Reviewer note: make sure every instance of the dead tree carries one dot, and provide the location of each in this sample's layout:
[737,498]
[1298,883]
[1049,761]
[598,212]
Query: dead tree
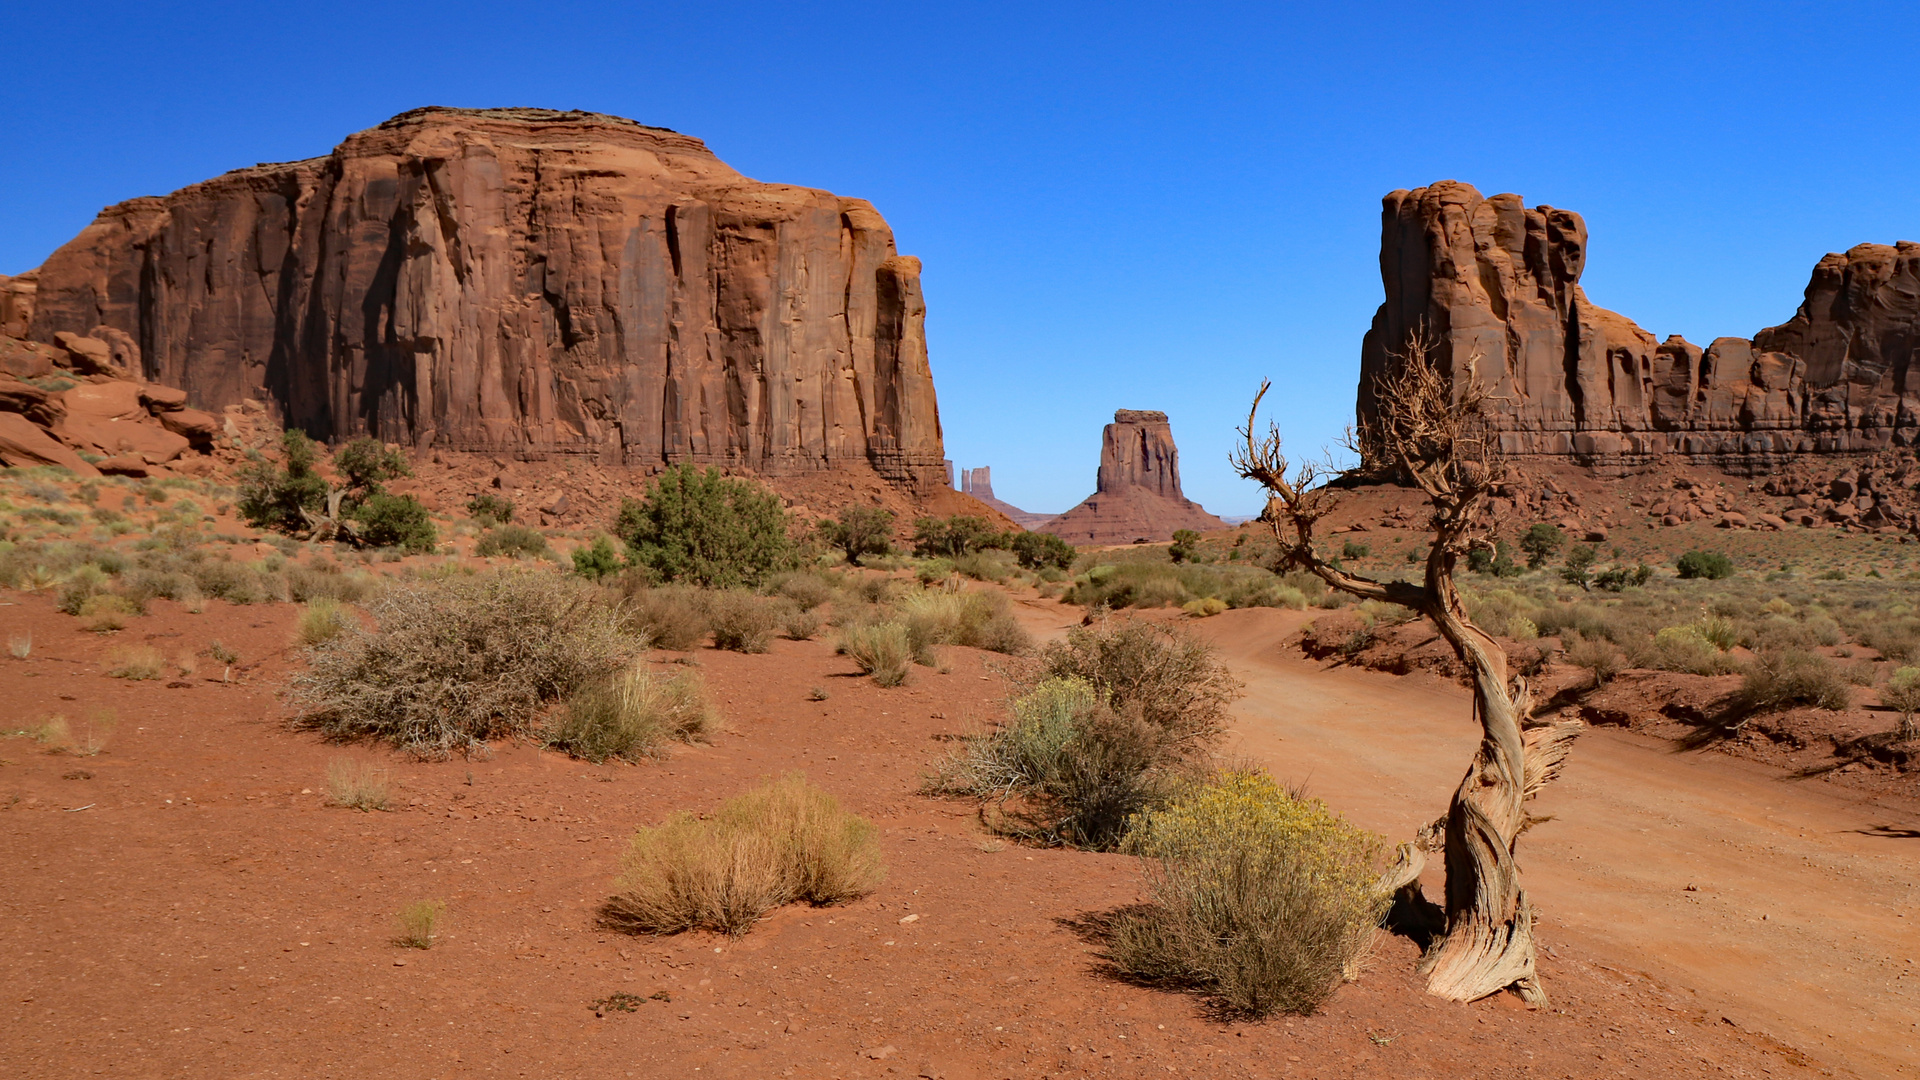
[1431,430]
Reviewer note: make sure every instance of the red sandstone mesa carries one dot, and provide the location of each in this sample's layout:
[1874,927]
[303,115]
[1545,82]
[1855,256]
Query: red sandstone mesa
[1490,277]
[523,281]
[1137,495]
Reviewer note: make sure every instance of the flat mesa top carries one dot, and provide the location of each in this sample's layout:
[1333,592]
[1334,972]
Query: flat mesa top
[521,114]
[1139,416]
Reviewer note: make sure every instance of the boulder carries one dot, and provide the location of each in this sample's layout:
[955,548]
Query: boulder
[25,360]
[159,399]
[40,406]
[16,303]
[86,355]
[127,465]
[24,443]
[546,283]
[198,428]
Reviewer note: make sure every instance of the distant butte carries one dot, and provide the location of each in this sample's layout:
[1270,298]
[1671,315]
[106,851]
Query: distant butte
[1137,495]
[542,285]
[979,484]
[1488,277]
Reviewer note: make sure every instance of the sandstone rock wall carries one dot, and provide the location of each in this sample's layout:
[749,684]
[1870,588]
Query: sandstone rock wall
[528,282]
[1137,494]
[1491,278]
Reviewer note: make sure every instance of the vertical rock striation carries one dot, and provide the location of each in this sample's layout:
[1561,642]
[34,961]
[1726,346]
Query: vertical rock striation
[530,282]
[1491,279]
[1137,495]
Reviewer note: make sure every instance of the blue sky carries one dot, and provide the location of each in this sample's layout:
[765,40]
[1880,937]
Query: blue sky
[1118,205]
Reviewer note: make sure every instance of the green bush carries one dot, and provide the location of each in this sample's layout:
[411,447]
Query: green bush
[954,536]
[1039,551]
[455,662]
[1621,578]
[395,521]
[272,497]
[513,542]
[1541,543]
[597,559]
[1712,565]
[489,510]
[1578,569]
[1496,560]
[704,528]
[860,530]
[365,465]
[1261,899]
[1184,543]
[632,714]
[1353,549]
[977,619]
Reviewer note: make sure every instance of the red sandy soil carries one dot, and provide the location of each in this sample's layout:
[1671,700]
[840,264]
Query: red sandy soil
[185,904]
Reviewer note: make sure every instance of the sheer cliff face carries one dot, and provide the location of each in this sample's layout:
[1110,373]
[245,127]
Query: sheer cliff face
[525,281]
[1492,279]
[1137,495]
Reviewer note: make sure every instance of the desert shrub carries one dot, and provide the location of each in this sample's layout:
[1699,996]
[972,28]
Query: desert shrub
[1185,543]
[806,590]
[273,496]
[321,620]
[799,624]
[1080,769]
[1723,632]
[1343,633]
[365,464]
[934,571]
[1354,549]
[1541,543]
[671,617]
[395,521]
[137,662]
[1176,680]
[1683,648]
[954,536]
[490,510]
[81,586]
[416,923]
[1779,680]
[1712,565]
[1902,694]
[1598,655]
[743,622]
[704,528]
[326,580]
[1205,607]
[632,713]
[1621,578]
[1897,639]
[784,842]
[994,566]
[879,649]
[357,785]
[598,559]
[975,619]
[860,530]
[1260,899]
[1578,569]
[456,662]
[1496,560]
[514,542]
[1040,551]
[237,583]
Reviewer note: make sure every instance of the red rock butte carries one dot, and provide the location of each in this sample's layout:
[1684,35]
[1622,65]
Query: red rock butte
[1137,494]
[1492,279]
[520,281]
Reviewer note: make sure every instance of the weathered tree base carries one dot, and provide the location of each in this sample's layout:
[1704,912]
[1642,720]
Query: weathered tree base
[1476,960]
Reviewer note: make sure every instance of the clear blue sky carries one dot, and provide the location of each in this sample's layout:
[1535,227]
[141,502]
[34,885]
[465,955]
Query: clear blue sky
[1118,205]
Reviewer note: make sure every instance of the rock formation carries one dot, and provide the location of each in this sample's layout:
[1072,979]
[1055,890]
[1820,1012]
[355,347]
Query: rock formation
[979,484]
[1137,494]
[1492,279]
[520,282]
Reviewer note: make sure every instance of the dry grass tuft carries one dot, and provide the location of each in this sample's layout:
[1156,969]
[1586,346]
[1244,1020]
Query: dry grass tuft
[322,620]
[880,649]
[673,617]
[357,785]
[743,622]
[137,662]
[1261,899]
[632,714]
[416,923]
[783,842]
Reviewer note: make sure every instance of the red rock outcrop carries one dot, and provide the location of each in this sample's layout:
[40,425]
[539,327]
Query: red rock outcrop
[979,484]
[1490,278]
[526,282]
[1137,494]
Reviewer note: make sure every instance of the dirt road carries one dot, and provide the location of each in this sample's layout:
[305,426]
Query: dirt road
[1785,907]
